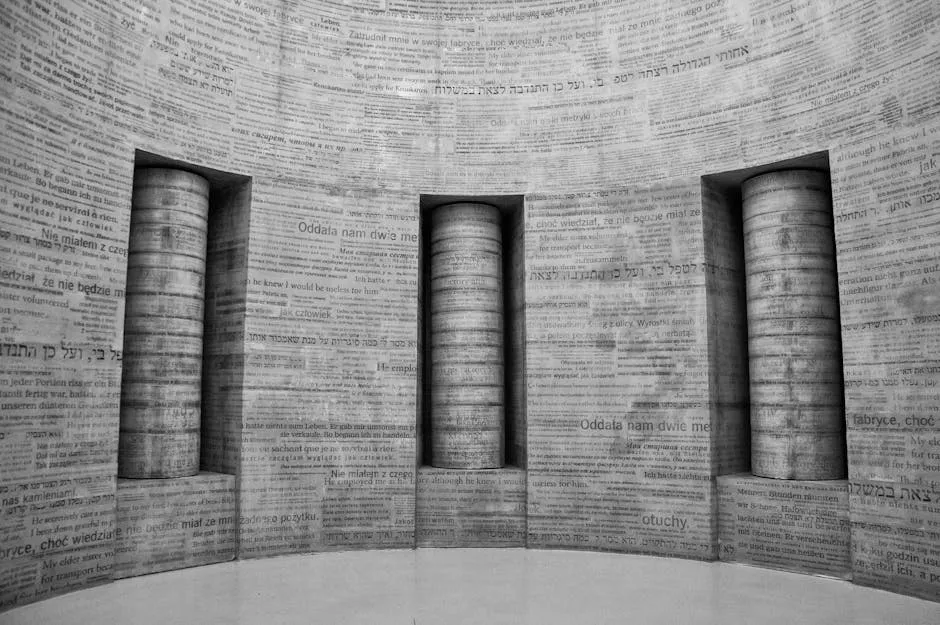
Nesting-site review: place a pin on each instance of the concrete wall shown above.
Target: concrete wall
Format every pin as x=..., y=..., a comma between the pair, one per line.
x=605, y=115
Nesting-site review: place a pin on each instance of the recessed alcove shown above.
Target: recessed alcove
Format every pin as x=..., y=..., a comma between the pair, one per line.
x=185, y=519
x=795, y=524
x=484, y=506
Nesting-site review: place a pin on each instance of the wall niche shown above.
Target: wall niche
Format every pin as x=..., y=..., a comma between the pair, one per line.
x=777, y=383
x=183, y=367
x=471, y=485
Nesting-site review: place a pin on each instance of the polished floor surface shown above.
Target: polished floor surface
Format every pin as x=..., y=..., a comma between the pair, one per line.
x=479, y=586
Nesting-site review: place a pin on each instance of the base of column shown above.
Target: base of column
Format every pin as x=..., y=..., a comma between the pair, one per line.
x=791, y=525
x=471, y=508
x=168, y=524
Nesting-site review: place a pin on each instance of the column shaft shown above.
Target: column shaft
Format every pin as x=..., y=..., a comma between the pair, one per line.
x=163, y=329
x=467, y=383
x=794, y=341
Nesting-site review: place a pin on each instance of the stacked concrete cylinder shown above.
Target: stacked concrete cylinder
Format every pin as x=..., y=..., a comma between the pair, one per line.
x=163, y=328
x=794, y=341
x=466, y=301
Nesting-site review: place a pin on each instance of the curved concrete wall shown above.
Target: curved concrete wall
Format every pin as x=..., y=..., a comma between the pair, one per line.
x=604, y=114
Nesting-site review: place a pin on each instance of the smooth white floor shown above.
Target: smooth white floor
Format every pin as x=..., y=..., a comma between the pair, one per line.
x=479, y=586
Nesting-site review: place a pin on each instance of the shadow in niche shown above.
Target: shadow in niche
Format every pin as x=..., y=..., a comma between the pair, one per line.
x=727, y=302
x=730, y=181
x=513, y=239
